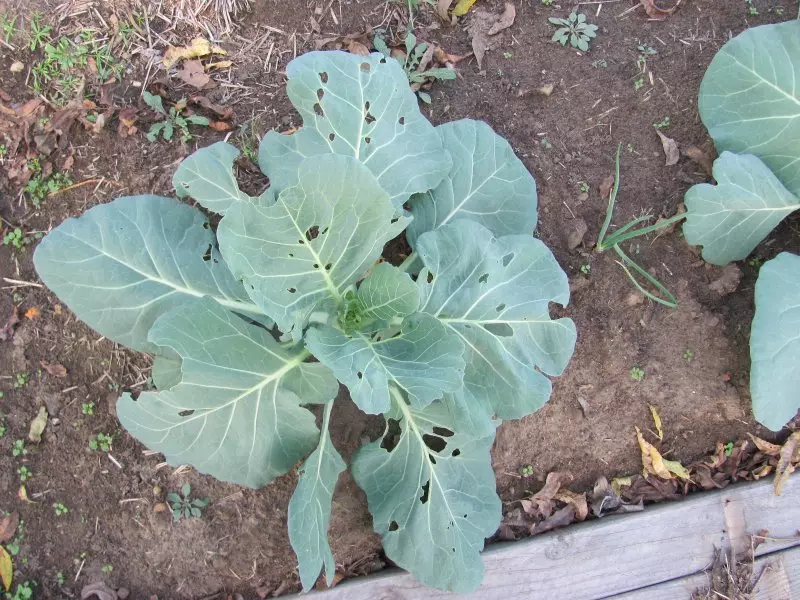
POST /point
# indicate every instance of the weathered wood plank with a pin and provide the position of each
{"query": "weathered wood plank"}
(779, 574)
(615, 555)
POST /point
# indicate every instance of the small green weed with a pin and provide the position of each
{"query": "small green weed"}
(639, 83)
(586, 268)
(688, 355)
(8, 26)
(18, 240)
(751, 8)
(584, 187)
(646, 49)
(629, 148)
(526, 470)
(574, 30)
(3, 151)
(39, 34)
(174, 119)
(102, 443)
(546, 2)
(545, 143)
(755, 261)
(2, 427)
(60, 509)
(662, 124)
(728, 448)
(508, 55)
(60, 579)
(600, 63)
(107, 568)
(39, 186)
(24, 591)
(18, 449)
(637, 373)
(24, 473)
(87, 408)
(21, 380)
(183, 507)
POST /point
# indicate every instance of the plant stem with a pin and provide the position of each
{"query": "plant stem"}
(612, 197)
(671, 301)
(623, 234)
(410, 259)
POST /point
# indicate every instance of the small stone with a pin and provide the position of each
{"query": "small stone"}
(583, 197)
(157, 490)
(575, 232)
(17, 67)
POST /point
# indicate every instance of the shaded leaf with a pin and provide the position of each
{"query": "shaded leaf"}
(6, 569)
(506, 19)
(53, 369)
(462, 7)
(657, 421)
(8, 527)
(787, 459)
(37, 425)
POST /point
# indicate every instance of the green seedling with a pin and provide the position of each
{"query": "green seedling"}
(586, 268)
(39, 186)
(107, 568)
(414, 54)
(17, 240)
(7, 26)
(102, 442)
(600, 63)
(18, 449)
(628, 232)
(639, 83)
(60, 509)
(20, 380)
(3, 151)
(547, 2)
(545, 143)
(508, 55)
(39, 34)
(688, 355)
(646, 49)
(24, 473)
(174, 119)
(728, 448)
(526, 470)
(2, 427)
(662, 124)
(637, 373)
(183, 507)
(584, 187)
(574, 30)
(87, 408)
(751, 9)
(24, 591)
(60, 579)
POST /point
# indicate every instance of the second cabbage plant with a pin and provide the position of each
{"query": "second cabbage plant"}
(253, 324)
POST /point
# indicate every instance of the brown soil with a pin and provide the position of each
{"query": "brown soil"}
(241, 543)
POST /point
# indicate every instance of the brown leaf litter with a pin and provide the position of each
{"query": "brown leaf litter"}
(484, 27)
(660, 9)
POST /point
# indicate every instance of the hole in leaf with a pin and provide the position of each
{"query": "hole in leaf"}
(393, 526)
(432, 458)
(382, 61)
(456, 452)
(392, 434)
(500, 307)
(316, 265)
(500, 329)
(185, 413)
(442, 431)
(394, 220)
(430, 277)
(425, 490)
(434, 442)
(185, 185)
(368, 139)
(369, 118)
(331, 136)
(301, 241)
(207, 254)
(360, 375)
(328, 266)
(320, 93)
(312, 232)
(365, 67)
(507, 258)
(292, 290)
(402, 121)
(484, 278)
(323, 77)
(324, 231)
(366, 105)
(318, 109)
(291, 255)
(465, 516)
(206, 225)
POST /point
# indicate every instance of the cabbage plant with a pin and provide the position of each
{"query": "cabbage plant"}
(254, 325)
(750, 102)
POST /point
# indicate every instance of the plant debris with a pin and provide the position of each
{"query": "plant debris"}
(7, 330)
(728, 280)
(8, 527)
(484, 26)
(671, 151)
(6, 569)
(37, 425)
(54, 369)
(199, 48)
(657, 10)
(193, 73)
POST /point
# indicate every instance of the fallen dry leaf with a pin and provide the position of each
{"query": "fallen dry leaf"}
(766, 447)
(54, 369)
(37, 426)
(506, 19)
(220, 64)
(701, 158)
(462, 7)
(193, 73)
(199, 48)
(442, 6)
(7, 330)
(159, 507)
(606, 499)
(561, 518)
(728, 281)
(224, 112)
(577, 501)
(576, 229)
(787, 461)
(22, 494)
(32, 313)
(657, 421)
(220, 126)
(100, 590)
(127, 117)
(6, 569)
(541, 503)
(356, 47)
(656, 9)
(655, 464)
(606, 186)
(8, 527)
(671, 151)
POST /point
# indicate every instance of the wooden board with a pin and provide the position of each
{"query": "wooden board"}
(615, 555)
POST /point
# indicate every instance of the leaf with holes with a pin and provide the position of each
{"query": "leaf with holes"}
(424, 360)
(236, 413)
(731, 218)
(122, 265)
(362, 107)
(441, 503)
(774, 342)
(207, 176)
(494, 294)
(487, 184)
(310, 509)
(300, 254)
(750, 99)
